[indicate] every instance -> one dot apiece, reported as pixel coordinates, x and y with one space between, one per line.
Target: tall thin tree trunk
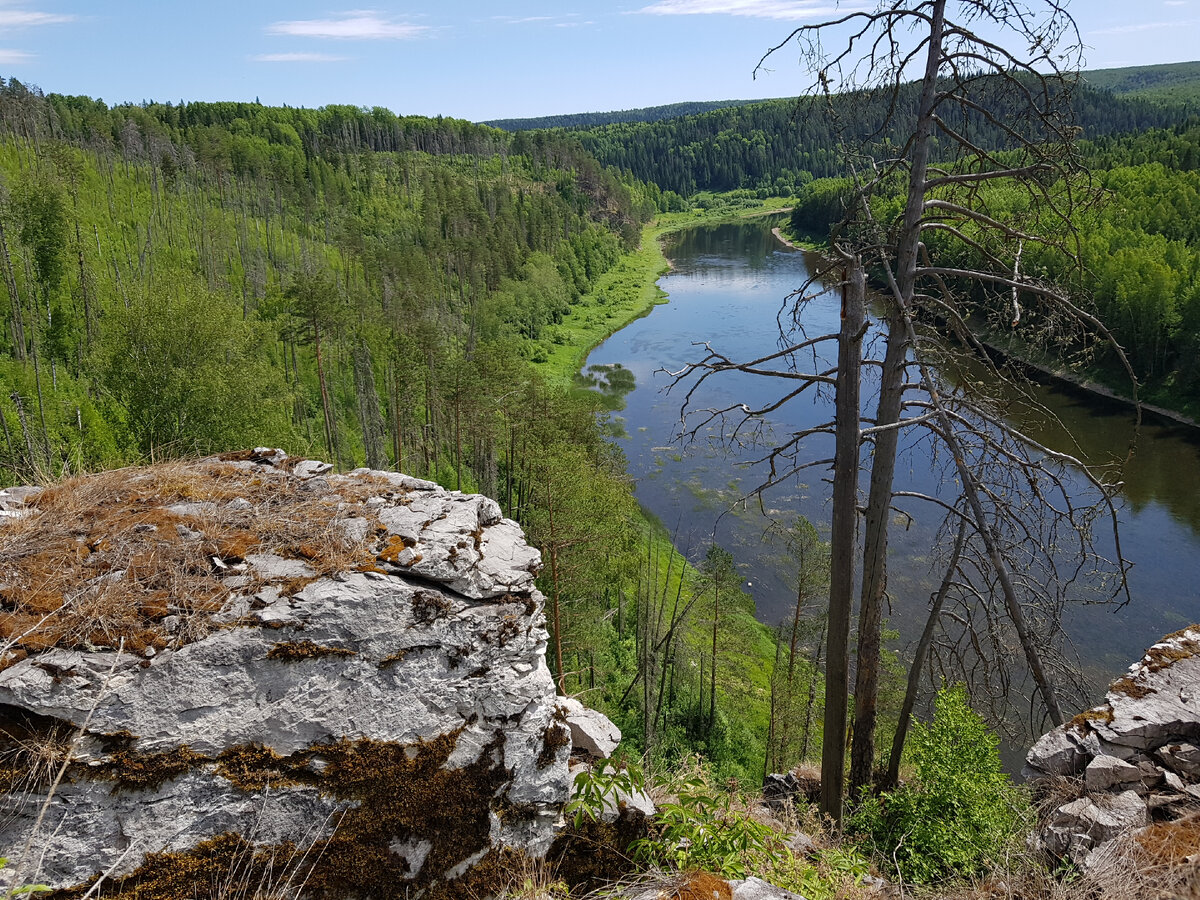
554 593
874 572
326 406
842 537
811 703
866 689
10 281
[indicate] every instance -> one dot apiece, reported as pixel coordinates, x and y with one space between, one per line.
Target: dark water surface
728 285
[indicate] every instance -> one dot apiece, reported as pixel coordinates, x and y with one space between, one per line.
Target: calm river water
728 285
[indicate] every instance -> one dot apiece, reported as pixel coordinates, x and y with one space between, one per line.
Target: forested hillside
1169 81
592 119
1139 247
776 146
369 289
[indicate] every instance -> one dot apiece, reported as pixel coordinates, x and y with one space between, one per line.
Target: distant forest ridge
594 119
1168 81
775 147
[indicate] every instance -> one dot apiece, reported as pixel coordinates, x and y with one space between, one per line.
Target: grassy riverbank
746 647
629 290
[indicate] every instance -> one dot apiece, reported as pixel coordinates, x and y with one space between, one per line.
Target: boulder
592 733
757 889
327 646
1105 772
1137 753
1182 758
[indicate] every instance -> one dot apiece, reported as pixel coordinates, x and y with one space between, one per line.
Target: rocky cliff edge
247 668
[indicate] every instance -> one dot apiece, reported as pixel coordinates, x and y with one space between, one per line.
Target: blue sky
471 59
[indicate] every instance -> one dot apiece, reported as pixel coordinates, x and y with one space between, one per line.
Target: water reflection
728 285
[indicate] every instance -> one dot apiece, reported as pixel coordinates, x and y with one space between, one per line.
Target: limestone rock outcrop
250 662
1129 764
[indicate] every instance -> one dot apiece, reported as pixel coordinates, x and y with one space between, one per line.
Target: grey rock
1082 825
273 566
591 732
625 803
356 529
422 655
237 504
20 493
191 509
1159 701
757 889
800 844
269 456
1140 751
1105 772
1183 758
1058 752
309 468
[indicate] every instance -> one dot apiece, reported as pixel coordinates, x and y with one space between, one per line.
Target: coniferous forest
419 294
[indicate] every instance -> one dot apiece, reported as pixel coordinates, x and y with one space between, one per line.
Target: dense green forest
592 119
403 293
1169 81
777 146
1139 248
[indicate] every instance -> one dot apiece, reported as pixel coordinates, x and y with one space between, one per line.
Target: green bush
703 831
960 812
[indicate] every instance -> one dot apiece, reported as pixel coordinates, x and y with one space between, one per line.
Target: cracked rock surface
1131 763
307 703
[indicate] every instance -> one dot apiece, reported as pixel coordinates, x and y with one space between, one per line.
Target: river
727 286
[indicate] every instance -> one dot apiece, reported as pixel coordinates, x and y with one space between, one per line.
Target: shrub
959 814
703 831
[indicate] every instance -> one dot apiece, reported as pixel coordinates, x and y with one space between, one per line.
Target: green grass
629 289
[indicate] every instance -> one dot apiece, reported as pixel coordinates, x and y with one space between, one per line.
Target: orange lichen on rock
699 886
105 558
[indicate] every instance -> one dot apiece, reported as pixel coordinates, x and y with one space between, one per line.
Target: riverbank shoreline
1087 386
635 279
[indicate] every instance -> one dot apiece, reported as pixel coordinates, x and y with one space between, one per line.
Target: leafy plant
598 789
823 877
959 813
703 831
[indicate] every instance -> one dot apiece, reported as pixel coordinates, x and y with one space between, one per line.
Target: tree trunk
874 573
883 466
326 406
842 537
554 593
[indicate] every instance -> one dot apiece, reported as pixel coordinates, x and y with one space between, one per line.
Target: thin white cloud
26 18
521 20
358 25
1145 26
759 9
14 57
1174 2
567 20
296 58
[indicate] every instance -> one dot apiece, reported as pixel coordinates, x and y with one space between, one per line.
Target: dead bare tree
978 158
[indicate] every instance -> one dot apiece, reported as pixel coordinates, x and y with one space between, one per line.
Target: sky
472 59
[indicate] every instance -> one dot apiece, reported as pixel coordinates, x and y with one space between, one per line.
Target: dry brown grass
101 559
